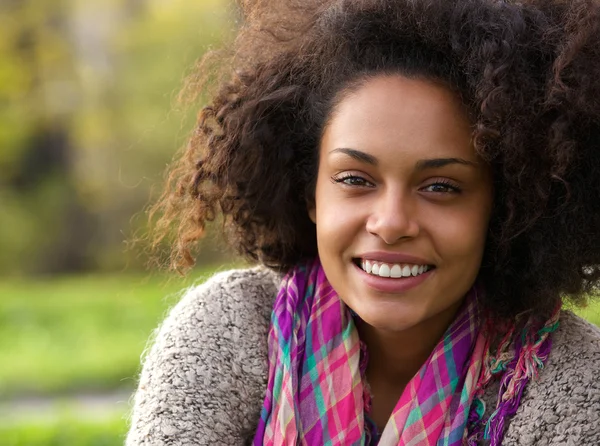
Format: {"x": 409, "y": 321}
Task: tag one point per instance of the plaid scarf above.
{"x": 316, "y": 385}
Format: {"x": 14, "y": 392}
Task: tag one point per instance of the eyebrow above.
{"x": 433, "y": 163}
{"x": 436, "y": 163}
{"x": 357, "y": 155}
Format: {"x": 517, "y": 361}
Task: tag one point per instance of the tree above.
{"x": 89, "y": 122}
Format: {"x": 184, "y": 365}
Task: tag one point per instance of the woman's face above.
{"x": 402, "y": 202}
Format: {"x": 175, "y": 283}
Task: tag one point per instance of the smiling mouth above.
{"x": 391, "y": 270}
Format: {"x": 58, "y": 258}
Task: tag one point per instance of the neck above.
{"x": 395, "y": 357}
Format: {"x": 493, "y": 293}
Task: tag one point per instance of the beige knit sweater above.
{"x": 204, "y": 380}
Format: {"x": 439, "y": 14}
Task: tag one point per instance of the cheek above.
{"x": 337, "y": 220}
{"x": 462, "y": 235}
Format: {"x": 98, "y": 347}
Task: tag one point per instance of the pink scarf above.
{"x": 316, "y": 386}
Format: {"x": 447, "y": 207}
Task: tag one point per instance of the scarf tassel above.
{"x": 528, "y": 359}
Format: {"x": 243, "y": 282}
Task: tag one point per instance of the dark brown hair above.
{"x": 528, "y": 73}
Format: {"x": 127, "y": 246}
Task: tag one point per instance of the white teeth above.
{"x": 392, "y": 270}
{"x": 396, "y": 271}
{"x": 384, "y": 271}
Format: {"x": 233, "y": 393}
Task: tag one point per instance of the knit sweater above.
{"x": 204, "y": 379}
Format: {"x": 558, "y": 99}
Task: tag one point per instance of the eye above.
{"x": 442, "y": 187}
{"x": 352, "y": 180}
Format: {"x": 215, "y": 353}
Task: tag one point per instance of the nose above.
{"x": 393, "y": 217}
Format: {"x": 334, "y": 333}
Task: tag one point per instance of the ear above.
{"x": 311, "y": 207}
{"x": 310, "y": 199}
{"x": 312, "y": 213}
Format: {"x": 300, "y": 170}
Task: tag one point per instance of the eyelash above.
{"x": 347, "y": 177}
{"x": 451, "y": 187}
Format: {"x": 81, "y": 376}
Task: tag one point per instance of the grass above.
{"x": 79, "y": 333}
{"x": 67, "y": 431}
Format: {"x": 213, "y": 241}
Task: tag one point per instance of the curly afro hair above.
{"x": 528, "y": 73}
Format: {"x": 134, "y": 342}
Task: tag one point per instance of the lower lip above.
{"x": 392, "y": 285}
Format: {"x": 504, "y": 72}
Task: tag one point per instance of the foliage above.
{"x": 591, "y": 313}
{"x": 90, "y": 121}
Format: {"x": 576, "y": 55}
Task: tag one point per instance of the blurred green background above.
{"x": 88, "y": 123}
{"x": 89, "y": 120}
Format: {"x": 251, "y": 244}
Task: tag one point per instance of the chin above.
{"x": 395, "y": 320}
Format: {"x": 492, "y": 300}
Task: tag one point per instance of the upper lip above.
{"x": 393, "y": 257}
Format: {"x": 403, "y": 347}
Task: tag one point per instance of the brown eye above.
{"x": 352, "y": 180}
{"x": 442, "y": 187}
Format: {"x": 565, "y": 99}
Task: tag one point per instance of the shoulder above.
{"x": 227, "y": 301}
{"x": 203, "y": 380}
{"x": 575, "y": 336}
{"x": 563, "y": 405}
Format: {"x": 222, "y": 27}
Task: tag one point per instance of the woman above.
{"x": 419, "y": 180}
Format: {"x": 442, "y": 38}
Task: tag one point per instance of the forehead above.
{"x": 399, "y": 112}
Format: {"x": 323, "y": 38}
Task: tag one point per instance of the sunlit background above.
{"x": 89, "y": 119}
